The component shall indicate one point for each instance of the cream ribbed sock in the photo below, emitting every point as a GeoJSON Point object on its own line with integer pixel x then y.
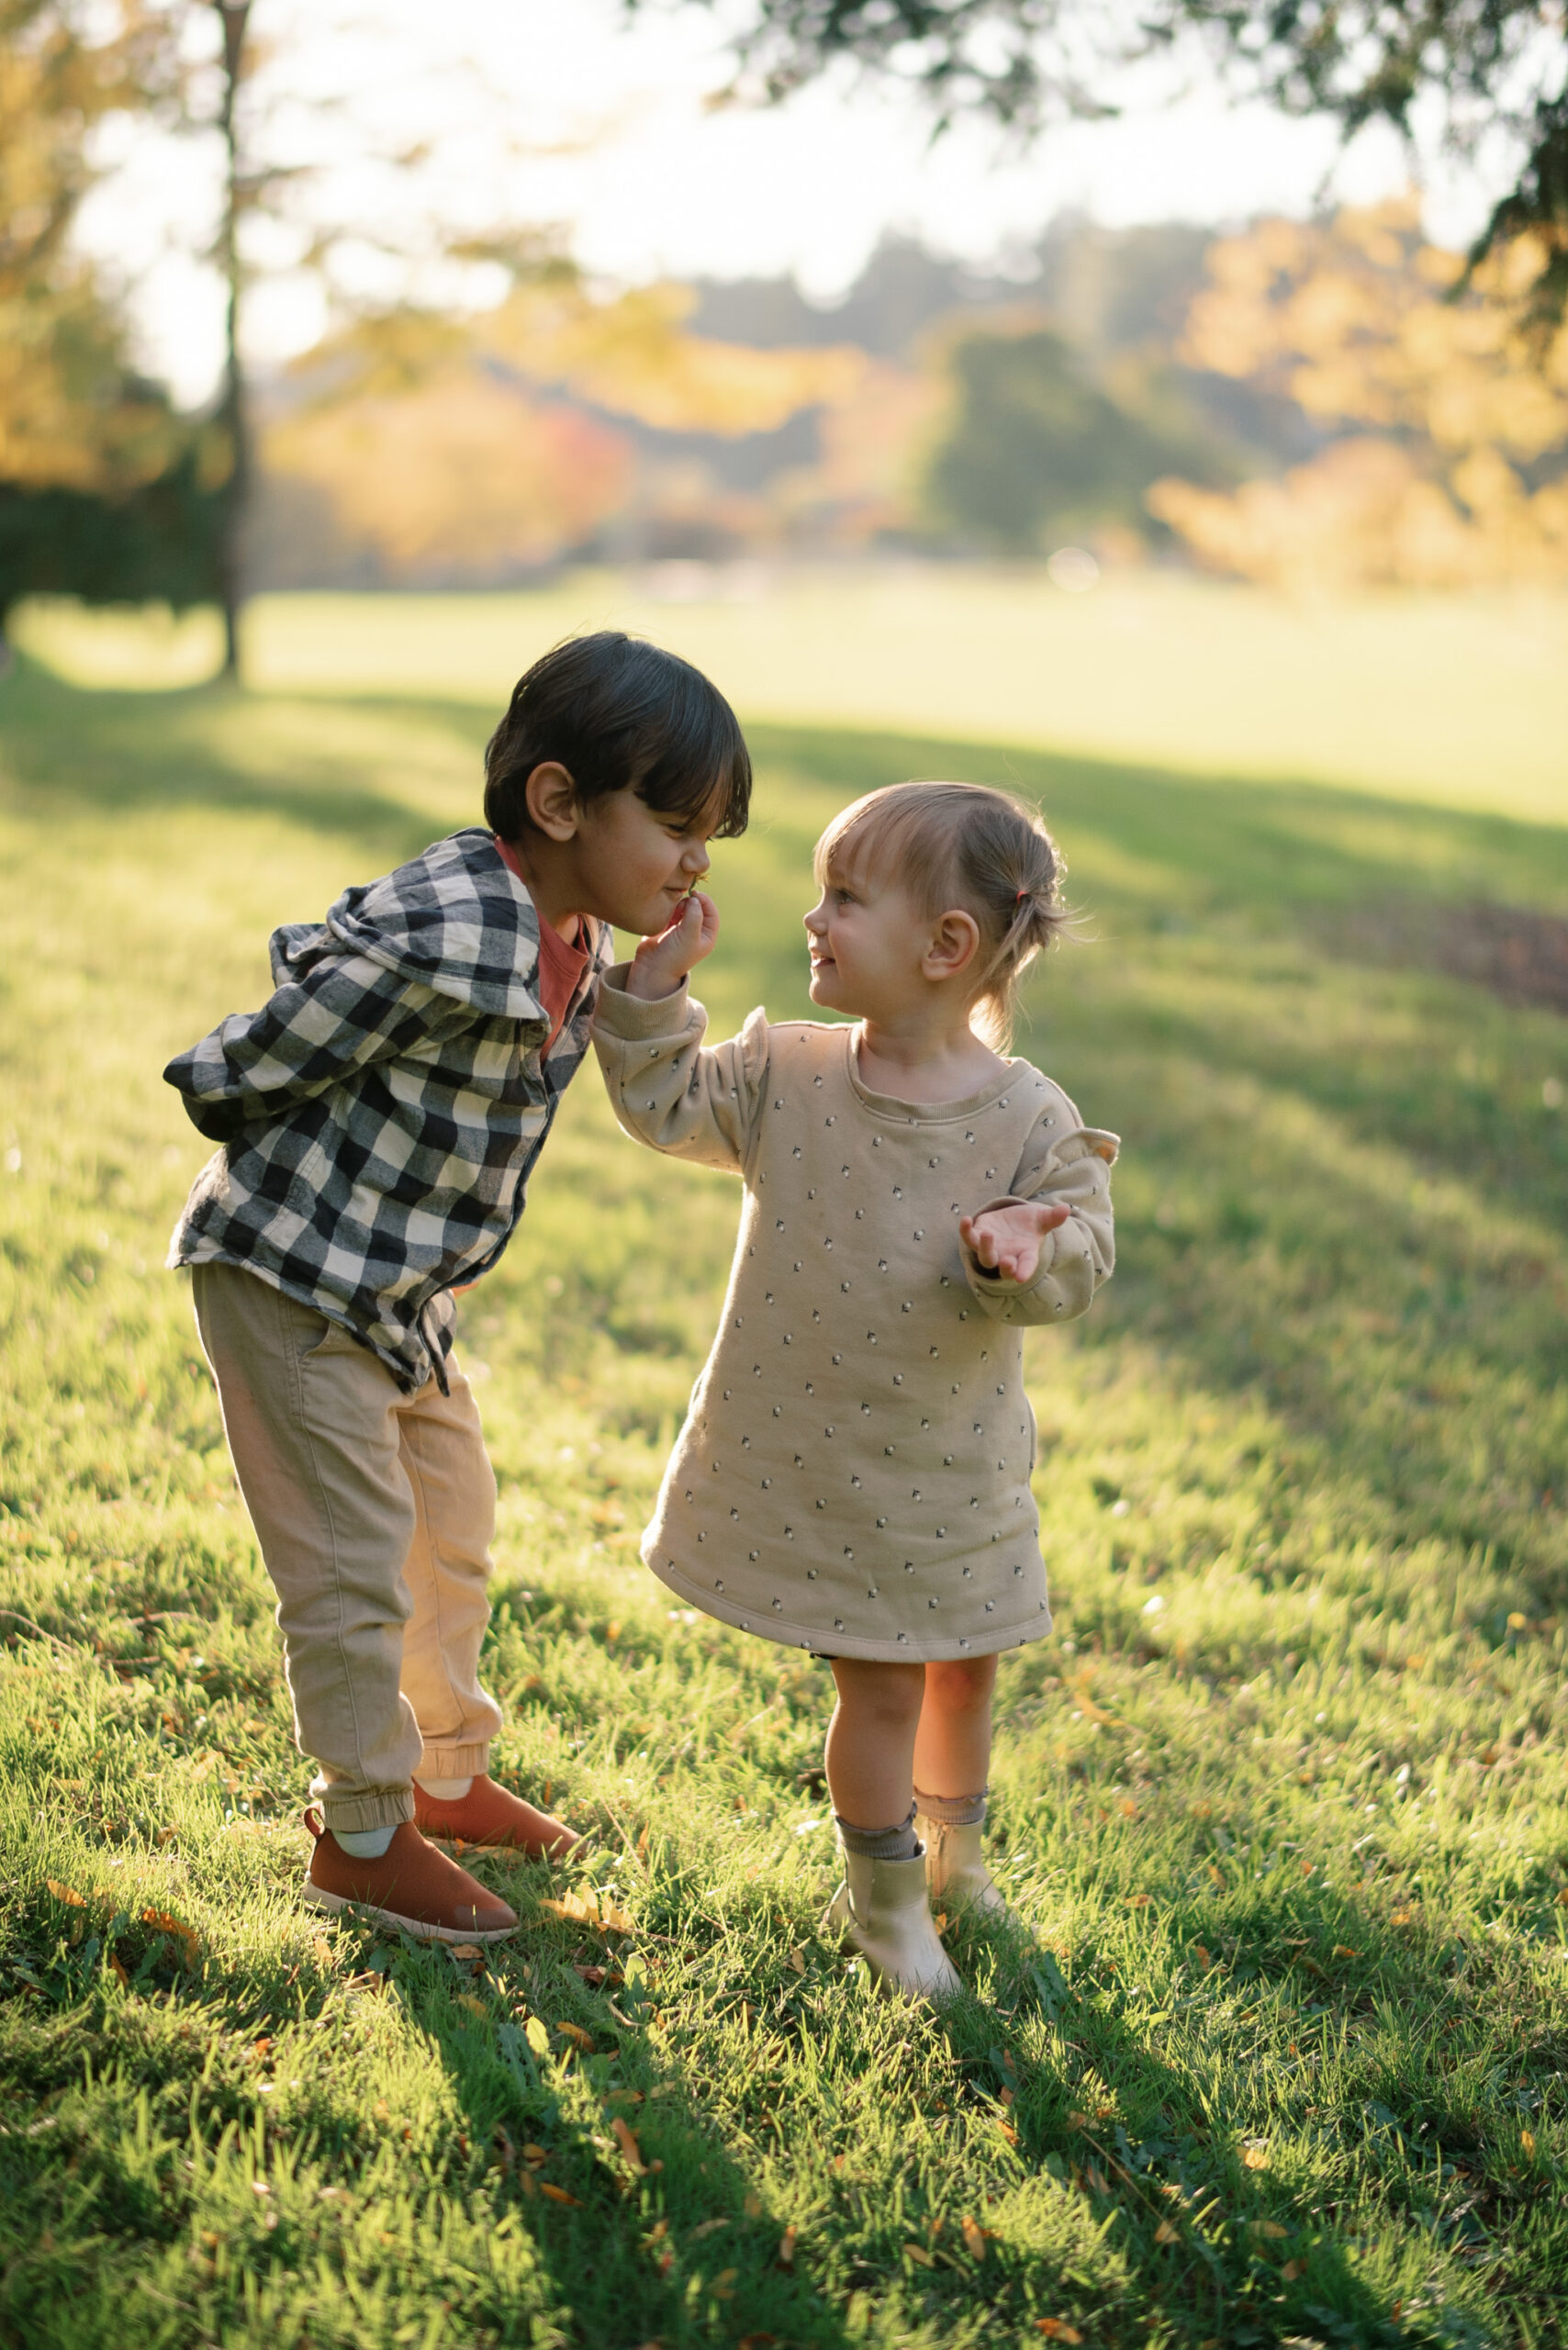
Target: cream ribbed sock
{"type": "Point", "coordinates": [953, 1811]}
{"type": "Point", "coordinates": [365, 1843]}
{"type": "Point", "coordinates": [882, 1843]}
{"type": "Point", "coordinates": [443, 1790]}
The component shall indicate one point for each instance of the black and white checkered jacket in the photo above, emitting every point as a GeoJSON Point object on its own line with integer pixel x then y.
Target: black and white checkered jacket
{"type": "Point", "coordinates": [380, 1114]}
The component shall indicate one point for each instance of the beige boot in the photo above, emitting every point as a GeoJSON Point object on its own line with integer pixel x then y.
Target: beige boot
{"type": "Point", "coordinates": [882, 1908]}
{"type": "Point", "coordinates": [956, 1870]}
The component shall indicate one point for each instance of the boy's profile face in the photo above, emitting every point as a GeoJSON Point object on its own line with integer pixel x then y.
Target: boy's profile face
{"type": "Point", "coordinates": [612, 856]}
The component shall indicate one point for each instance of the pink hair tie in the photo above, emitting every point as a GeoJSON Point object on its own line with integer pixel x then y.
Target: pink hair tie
{"type": "Point", "coordinates": [1023, 893]}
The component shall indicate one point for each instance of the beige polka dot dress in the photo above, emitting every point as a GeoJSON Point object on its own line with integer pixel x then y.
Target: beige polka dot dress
{"type": "Point", "coordinates": [853, 1476]}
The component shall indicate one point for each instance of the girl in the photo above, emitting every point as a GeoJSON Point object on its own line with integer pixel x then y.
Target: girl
{"type": "Point", "coordinates": [853, 1477]}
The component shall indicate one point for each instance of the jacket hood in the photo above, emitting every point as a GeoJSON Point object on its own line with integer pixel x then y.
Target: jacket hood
{"type": "Point", "coordinates": [455, 918]}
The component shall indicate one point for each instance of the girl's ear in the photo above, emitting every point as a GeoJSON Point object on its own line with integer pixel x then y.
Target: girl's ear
{"type": "Point", "coordinates": [955, 942]}
{"type": "Point", "coordinates": [551, 801]}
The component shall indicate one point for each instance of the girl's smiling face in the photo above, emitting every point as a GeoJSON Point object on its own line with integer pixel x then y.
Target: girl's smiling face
{"type": "Point", "coordinates": [866, 941]}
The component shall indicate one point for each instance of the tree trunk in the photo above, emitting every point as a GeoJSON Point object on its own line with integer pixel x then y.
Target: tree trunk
{"type": "Point", "coordinates": [233, 15]}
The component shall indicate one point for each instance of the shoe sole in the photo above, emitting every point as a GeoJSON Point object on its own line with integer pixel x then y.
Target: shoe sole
{"type": "Point", "coordinates": [421, 1930]}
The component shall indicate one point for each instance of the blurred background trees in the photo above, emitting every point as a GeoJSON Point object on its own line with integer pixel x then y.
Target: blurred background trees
{"type": "Point", "coordinates": [104, 492]}
{"type": "Point", "coordinates": [1330, 403]}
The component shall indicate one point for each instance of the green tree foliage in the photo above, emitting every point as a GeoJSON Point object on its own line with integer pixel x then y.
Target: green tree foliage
{"type": "Point", "coordinates": [1035, 449]}
{"type": "Point", "coordinates": [1491, 66]}
{"type": "Point", "coordinates": [102, 492]}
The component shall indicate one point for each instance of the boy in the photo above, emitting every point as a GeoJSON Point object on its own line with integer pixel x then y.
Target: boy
{"type": "Point", "coordinates": [377, 1120]}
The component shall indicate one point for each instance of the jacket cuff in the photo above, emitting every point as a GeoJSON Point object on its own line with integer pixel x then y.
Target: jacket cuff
{"type": "Point", "coordinates": [620, 1015]}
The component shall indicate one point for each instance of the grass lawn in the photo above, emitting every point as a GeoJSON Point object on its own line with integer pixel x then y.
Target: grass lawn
{"type": "Point", "coordinates": [1284, 1797]}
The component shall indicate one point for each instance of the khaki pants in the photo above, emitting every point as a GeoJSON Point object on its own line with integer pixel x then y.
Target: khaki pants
{"type": "Point", "coordinates": [375, 1511]}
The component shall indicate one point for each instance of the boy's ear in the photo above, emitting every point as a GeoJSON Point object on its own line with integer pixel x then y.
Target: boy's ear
{"type": "Point", "coordinates": [551, 801]}
{"type": "Point", "coordinates": [955, 942]}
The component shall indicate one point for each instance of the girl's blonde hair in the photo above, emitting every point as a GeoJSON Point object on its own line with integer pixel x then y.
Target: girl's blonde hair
{"type": "Point", "coordinates": [961, 844]}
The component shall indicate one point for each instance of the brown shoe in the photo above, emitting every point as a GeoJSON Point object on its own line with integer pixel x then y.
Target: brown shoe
{"type": "Point", "coordinates": [412, 1886]}
{"type": "Point", "coordinates": [491, 1815]}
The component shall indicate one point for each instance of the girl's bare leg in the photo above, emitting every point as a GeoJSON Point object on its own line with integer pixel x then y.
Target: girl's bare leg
{"type": "Point", "coordinates": [952, 1746]}
{"type": "Point", "coordinates": [870, 1741]}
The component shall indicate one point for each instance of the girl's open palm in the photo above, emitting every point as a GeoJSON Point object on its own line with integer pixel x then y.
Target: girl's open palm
{"type": "Point", "coordinates": [660, 964]}
{"type": "Point", "coordinates": [1007, 1240]}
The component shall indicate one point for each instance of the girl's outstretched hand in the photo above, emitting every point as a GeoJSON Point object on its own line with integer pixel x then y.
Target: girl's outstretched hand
{"type": "Point", "coordinates": [1007, 1240]}
{"type": "Point", "coordinates": [660, 964]}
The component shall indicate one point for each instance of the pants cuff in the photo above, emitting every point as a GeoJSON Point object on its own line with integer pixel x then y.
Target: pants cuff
{"type": "Point", "coordinates": [455, 1761]}
{"type": "Point", "coordinates": [377, 1808]}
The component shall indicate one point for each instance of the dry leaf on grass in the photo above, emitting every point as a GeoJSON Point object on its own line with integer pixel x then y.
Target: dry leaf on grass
{"type": "Point", "coordinates": [622, 2135]}
{"type": "Point", "coordinates": [1293, 2270]}
{"type": "Point", "coordinates": [1272, 2229]}
{"type": "Point", "coordinates": [1166, 2233]}
{"type": "Point", "coordinates": [752, 2204]}
{"type": "Point", "coordinates": [1008, 2132]}
{"type": "Point", "coordinates": [787, 2249]}
{"type": "Point", "coordinates": [797, 1961]}
{"type": "Point", "coordinates": [577, 2035]}
{"type": "Point", "coordinates": [556, 2194]}
{"type": "Point", "coordinates": [588, 1909]}
{"type": "Point", "coordinates": [1343, 1950]}
{"type": "Point", "coordinates": [1057, 2329]}
{"type": "Point", "coordinates": [117, 1971]}
{"type": "Point", "coordinates": [1139, 1900]}
{"type": "Point", "coordinates": [918, 2252]}
{"type": "Point", "coordinates": [176, 1926]}
{"type": "Point", "coordinates": [66, 1893]}
{"type": "Point", "coordinates": [1255, 2157]}
{"type": "Point", "coordinates": [974, 2237]}
{"type": "Point", "coordinates": [1527, 2140]}
{"type": "Point", "coordinates": [475, 2007]}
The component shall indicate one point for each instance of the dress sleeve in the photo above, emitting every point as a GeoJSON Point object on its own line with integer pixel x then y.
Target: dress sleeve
{"type": "Point", "coordinates": [670, 1090]}
{"type": "Point", "coordinates": [1072, 1167]}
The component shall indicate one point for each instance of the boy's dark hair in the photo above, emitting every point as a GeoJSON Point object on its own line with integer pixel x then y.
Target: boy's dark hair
{"type": "Point", "coordinates": [618, 713]}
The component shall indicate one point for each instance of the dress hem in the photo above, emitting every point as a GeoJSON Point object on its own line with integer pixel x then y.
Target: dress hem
{"type": "Point", "coordinates": [846, 1644]}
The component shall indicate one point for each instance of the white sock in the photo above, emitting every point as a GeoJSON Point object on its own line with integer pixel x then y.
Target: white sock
{"type": "Point", "coordinates": [365, 1843]}
{"type": "Point", "coordinates": [443, 1790]}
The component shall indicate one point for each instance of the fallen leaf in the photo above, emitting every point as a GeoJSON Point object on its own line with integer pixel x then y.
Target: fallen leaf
{"type": "Point", "coordinates": [1401, 1916]}
{"type": "Point", "coordinates": [1527, 2140]}
{"type": "Point", "coordinates": [577, 2035]}
{"type": "Point", "coordinates": [787, 2249]}
{"type": "Point", "coordinates": [117, 1971]}
{"type": "Point", "coordinates": [176, 1926]}
{"type": "Point", "coordinates": [974, 2237]}
{"type": "Point", "coordinates": [708, 2228]}
{"type": "Point", "coordinates": [724, 2283]}
{"type": "Point", "coordinates": [797, 1961]}
{"type": "Point", "coordinates": [1214, 1875]}
{"type": "Point", "coordinates": [940, 1921]}
{"type": "Point", "coordinates": [1139, 1900]}
{"type": "Point", "coordinates": [1166, 2233]}
{"type": "Point", "coordinates": [1293, 2270]}
{"type": "Point", "coordinates": [1057, 2329]}
{"type": "Point", "coordinates": [1079, 2119]}
{"type": "Point", "coordinates": [66, 1893]}
{"type": "Point", "coordinates": [918, 2252]}
{"type": "Point", "coordinates": [538, 2039]}
{"type": "Point", "coordinates": [1204, 1957]}
{"type": "Point", "coordinates": [586, 1910]}
{"type": "Point", "coordinates": [556, 2193]}
{"type": "Point", "coordinates": [1255, 2157]}
{"type": "Point", "coordinates": [466, 1950]}
{"type": "Point", "coordinates": [1009, 2133]}
{"type": "Point", "coordinates": [321, 1949]}
{"type": "Point", "coordinates": [621, 2133]}
{"type": "Point", "coordinates": [1087, 1707]}
{"type": "Point", "coordinates": [1272, 2229]}
{"type": "Point", "coordinates": [1127, 1808]}
{"type": "Point", "coordinates": [533, 2153]}
{"type": "Point", "coordinates": [752, 2204]}
{"type": "Point", "coordinates": [475, 2007]}
{"type": "Point", "coordinates": [1343, 1950]}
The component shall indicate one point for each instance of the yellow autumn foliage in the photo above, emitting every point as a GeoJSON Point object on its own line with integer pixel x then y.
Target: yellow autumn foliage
{"type": "Point", "coordinates": [636, 357]}
{"type": "Point", "coordinates": [1448, 414]}
{"type": "Point", "coordinates": [459, 475]}
{"type": "Point", "coordinates": [65, 420]}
